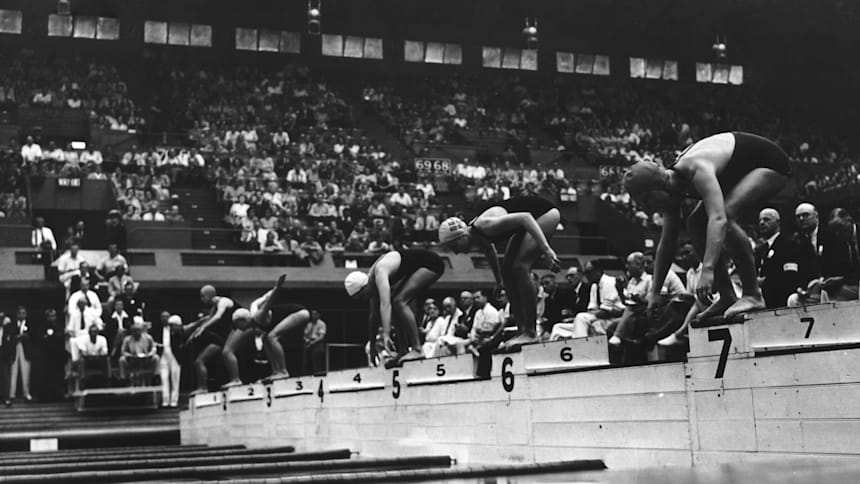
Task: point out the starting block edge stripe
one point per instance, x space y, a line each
556 370
792 349
420 383
296 394
356 390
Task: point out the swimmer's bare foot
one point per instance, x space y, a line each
412 356
231 384
744 305
279 375
393 362
198 391
717 308
515 344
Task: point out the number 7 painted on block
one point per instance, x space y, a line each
724 335
811 322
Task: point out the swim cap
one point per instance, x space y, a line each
642 177
355 282
175 319
241 314
452 229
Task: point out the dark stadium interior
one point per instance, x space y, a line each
238 147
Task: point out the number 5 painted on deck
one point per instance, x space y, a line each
724 335
811 322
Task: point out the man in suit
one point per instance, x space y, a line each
580 290
21 351
777 260
604 306
840 257
809 245
6 356
557 299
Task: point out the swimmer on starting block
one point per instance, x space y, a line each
732 174
527 224
258 320
209 333
391 284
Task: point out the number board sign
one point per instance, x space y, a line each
568 354
433 166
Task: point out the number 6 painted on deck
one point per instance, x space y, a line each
724 335
811 322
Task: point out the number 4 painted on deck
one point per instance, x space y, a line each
811 322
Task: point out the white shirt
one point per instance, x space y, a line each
66 265
165 340
404 199
438 328
485 319
31 152
153 217
40 235
91 315
87 348
609 299
672 286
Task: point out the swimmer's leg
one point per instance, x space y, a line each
272 345
752 191
697 226
411 288
524 251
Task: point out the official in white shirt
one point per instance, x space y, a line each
84 310
604 305
88 344
170 368
42 235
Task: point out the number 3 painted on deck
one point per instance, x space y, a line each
724 335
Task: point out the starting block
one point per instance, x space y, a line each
569 354
208 399
357 380
244 393
292 387
805 328
446 369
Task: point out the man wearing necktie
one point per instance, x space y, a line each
21 362
840 260
7 344
777 260
42 239
808 242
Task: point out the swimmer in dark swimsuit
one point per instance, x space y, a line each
732 174
391 284
210 332
258 320
527 224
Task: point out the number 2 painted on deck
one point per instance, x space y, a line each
811 322
724 335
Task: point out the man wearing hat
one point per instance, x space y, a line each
776 259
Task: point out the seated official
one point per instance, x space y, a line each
840 259
604 305
138 354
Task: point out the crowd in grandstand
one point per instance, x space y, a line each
295 173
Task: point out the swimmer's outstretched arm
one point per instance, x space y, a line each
517 221
489 251
705 181
223 305
665 253
261 306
